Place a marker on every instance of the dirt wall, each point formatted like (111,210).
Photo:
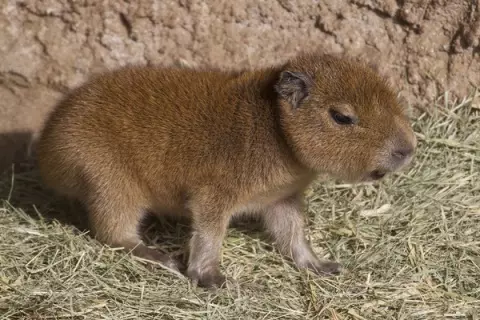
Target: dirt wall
(48,46)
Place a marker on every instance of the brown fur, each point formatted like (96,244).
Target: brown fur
(211,145)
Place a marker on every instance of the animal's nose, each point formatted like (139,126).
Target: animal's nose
(403,153)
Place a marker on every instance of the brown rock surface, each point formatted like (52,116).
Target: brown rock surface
(48,46)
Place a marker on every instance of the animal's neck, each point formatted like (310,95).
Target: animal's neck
(270,157)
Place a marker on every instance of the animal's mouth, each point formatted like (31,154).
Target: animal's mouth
(374,175)
(380,173)
(377,174)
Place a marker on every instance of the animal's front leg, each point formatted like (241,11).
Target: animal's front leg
(284,221)
(209,228)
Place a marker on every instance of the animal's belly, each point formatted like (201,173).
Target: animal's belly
(257,203)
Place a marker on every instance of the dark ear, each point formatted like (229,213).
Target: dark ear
(294,87)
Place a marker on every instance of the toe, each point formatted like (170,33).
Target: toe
(325,267)
(330,268)
(209,280)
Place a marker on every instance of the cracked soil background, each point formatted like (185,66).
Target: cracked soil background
(49,46)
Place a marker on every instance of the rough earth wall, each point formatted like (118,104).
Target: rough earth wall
(48,46)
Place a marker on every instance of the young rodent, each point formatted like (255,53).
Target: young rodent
(213,145)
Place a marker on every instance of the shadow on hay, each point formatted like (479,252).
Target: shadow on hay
(14,148)
(21,185)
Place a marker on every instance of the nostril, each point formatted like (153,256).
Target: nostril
(402,153)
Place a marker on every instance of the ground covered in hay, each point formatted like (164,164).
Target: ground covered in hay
(410,246)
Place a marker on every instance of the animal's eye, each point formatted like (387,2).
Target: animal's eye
(341,118)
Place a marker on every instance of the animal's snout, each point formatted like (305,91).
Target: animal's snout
(403,153)
(397,155)
(403,149)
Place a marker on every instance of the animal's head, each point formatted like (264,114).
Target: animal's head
(341,118)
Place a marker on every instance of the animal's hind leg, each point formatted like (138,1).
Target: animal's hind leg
(115,220)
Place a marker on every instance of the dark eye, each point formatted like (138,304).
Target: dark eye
(341,118)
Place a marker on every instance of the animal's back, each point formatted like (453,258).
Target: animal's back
(151,125)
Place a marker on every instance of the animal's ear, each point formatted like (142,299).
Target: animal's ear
(294,87)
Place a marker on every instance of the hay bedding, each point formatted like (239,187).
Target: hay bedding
(410,246)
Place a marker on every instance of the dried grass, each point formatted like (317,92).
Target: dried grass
(410,245)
